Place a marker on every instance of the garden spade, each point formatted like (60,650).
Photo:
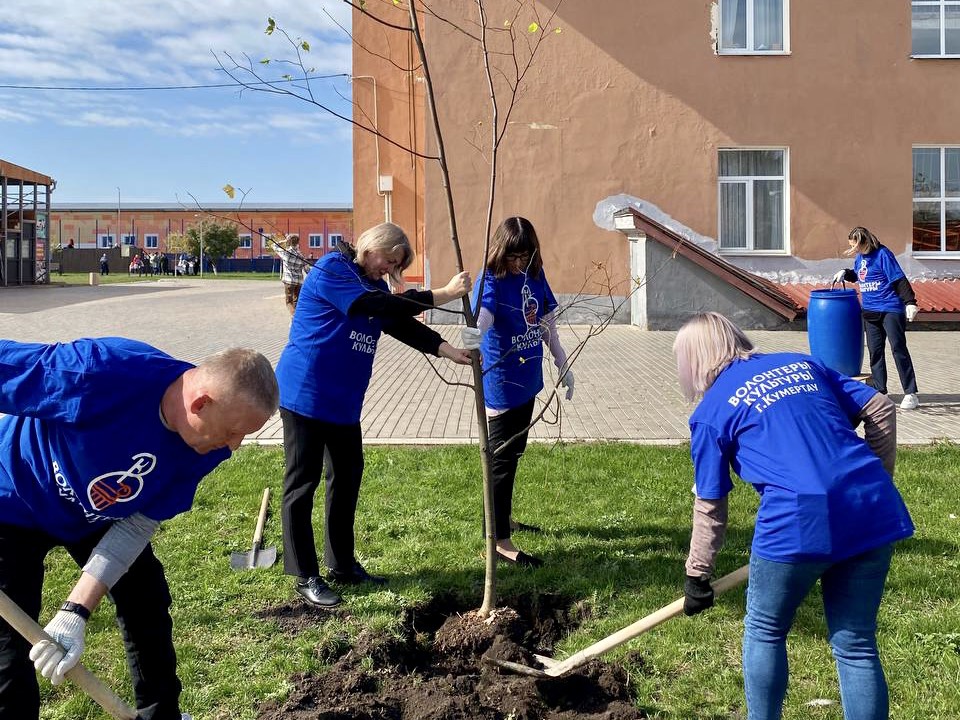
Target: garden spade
(78,674)
(257,557)
(554,668)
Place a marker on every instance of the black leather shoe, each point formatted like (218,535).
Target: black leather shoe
(523,560)
(356,577)
(316,592)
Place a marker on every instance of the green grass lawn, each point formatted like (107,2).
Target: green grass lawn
(617,518)
(123,277)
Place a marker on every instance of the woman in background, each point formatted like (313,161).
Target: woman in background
(888,305)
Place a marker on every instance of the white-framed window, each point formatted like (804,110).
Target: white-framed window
(104,240)
(246,240)
(333,240)
(752,202)
(151,241)
(129,239)
(315,240)
(935,28)
(936,200)
(752,27)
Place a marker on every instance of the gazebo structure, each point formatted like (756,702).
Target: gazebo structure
(24,217)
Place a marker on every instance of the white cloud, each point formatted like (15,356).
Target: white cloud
(113,42)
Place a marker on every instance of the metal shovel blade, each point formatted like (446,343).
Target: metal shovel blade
(258,557)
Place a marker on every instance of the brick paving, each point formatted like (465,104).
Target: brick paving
(626,388)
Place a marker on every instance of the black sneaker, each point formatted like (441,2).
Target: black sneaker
(356,576)
(316,592)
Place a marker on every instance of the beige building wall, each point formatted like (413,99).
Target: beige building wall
(630,99)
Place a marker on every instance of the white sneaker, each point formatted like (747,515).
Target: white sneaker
(910,402)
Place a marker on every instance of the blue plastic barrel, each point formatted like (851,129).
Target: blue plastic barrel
(835,329)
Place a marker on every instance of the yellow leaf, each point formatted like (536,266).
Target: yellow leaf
(229,190)
(558,30)
(507,23)
(533,27)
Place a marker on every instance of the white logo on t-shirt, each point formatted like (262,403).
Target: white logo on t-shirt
(121,485)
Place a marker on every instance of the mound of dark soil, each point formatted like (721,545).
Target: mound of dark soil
(441,668)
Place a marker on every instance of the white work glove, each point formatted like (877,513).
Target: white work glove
(911,312)
(54,659)
(470,338)
(567,382)
(838,278)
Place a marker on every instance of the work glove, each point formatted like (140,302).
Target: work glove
(567,382)
(839,277)
(697,594)
(470,338)
(54,659)
(911,312)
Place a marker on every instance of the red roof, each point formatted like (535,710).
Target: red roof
(937,300)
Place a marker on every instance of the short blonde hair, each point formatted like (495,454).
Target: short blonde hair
(292,240)
(863,242)
(704,347)
(389,239)
(244,375)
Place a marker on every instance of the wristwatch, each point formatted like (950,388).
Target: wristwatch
(76,608)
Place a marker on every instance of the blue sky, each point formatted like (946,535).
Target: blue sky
(164,146)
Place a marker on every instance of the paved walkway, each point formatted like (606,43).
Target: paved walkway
(626,387)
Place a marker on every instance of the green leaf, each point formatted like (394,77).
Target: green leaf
(533,27)
(271,26)
(265,61)
(287,77)
(305,45)
(363,4)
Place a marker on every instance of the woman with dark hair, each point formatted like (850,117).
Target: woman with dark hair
(888,305)
(829,510)
(515,317)
(323,373)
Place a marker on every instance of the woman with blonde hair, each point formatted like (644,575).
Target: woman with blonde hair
(888,305)
(829,510)
(344,305)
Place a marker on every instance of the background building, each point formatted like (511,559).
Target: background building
(760,130)
(147,225)
(24,220)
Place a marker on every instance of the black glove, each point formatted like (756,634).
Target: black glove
(698,595)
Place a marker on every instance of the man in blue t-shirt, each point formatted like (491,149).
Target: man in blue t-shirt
(90,467)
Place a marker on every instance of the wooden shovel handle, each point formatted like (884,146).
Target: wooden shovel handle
(87,681)
(261,519)
(644,624)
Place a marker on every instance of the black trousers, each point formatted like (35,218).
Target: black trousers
(891,326)
(142,600)
(309,446)
(503,467)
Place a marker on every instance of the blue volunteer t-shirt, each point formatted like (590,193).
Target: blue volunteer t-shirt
(785,423)
(326,366)
(81,441)
(512,349)
(876,273)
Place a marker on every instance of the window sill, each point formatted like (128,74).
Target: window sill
(927,255)
(741,53)
(935,57)
(753,253)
